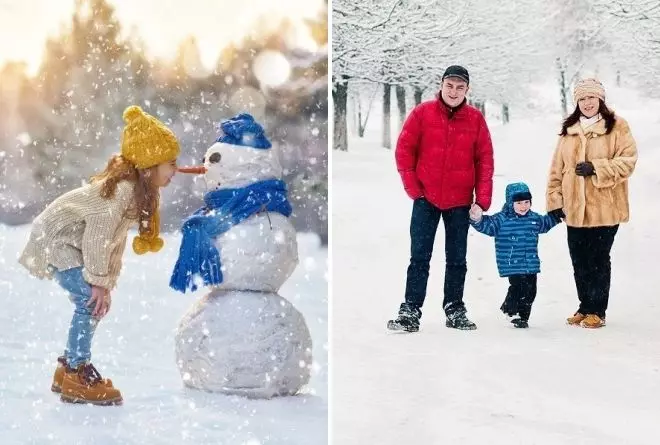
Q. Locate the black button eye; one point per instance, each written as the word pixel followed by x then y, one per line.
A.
pixel 215 158
pixel 204 160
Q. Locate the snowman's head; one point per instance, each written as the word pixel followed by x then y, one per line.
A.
pixel 241 156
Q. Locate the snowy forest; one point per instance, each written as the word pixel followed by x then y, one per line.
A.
pixel 391 54
pixel 61 125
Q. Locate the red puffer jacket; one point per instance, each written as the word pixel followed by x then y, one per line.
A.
pixel 445 159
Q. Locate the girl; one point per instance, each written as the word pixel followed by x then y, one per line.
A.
pixel 588 181
pixel 80 237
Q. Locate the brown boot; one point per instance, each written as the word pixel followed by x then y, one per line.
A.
pixel 593 321
pixel 576 319
pixel 85 385
pixel 58 377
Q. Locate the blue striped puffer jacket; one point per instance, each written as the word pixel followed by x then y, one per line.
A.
pixel 516 236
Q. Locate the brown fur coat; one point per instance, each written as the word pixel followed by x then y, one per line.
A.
pixel 601 199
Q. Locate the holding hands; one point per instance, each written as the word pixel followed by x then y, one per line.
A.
pixel 557 214
pixel 476 213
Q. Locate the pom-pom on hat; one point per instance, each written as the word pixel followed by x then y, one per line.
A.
pixel 243 130
pixel 149 240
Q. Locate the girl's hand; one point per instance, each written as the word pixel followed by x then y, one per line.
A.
pixel 106 305
pixel 476 213
pixel 100 300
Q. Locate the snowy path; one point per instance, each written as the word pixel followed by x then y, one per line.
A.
pixel 548 385
pixel 135 347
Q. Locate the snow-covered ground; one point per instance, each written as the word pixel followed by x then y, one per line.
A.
pixel 134 346
pixel 549 385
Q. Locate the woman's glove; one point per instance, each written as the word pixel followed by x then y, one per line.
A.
pixel 585 169
pixel 557 214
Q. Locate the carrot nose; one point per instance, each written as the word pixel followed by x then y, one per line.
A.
pixel 196 169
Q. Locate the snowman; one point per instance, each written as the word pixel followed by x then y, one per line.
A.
pixel 242 337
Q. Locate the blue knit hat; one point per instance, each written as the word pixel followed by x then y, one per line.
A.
pixel 243 130
pixel 517 191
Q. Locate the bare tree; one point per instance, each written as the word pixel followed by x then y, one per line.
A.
pixel 363 95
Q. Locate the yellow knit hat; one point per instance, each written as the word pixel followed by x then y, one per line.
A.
pixel 147 142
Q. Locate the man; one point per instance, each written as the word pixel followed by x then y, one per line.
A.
pixel 445 158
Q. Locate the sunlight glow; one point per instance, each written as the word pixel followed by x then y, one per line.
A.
pixel 161 24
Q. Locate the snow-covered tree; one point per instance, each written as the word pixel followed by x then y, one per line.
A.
pixel 405 46
pixel 397 43
pixel 580 38
pixel 636 40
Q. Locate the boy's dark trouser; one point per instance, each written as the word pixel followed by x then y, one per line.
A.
pixel 590 254
pixel 423 227
pixel 521 295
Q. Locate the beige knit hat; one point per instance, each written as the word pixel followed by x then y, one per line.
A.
pixel 588 87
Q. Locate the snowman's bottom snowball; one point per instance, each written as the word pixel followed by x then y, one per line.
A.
pixel 254 344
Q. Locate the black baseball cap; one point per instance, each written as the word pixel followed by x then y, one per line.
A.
pixel 457 71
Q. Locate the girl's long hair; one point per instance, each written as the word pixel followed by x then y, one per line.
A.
pixel 606 113
pixel 146 194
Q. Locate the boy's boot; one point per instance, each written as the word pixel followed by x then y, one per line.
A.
pixel 85 385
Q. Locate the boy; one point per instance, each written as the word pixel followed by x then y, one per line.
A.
pixel 516 230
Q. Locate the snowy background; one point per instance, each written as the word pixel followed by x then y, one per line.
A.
pixel 134 346
pixel 67 75
pixel 68 69
pixel 547 385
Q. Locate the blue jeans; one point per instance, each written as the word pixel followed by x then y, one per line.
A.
pixel 83 324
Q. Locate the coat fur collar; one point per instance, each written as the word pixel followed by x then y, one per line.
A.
pixel 597 128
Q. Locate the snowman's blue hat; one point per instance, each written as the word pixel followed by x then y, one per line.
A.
pixel 243 130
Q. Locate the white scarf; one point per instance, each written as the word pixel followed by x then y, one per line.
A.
pixel 586 122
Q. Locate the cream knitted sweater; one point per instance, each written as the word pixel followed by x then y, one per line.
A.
pixel 80 228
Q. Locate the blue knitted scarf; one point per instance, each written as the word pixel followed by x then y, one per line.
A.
pixel 224 209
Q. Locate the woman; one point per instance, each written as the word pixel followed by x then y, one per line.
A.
pixel 588 185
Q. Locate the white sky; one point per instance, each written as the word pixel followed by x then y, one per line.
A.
pixel 162 24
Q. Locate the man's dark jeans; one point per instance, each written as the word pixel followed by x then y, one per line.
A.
pixel 423 227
